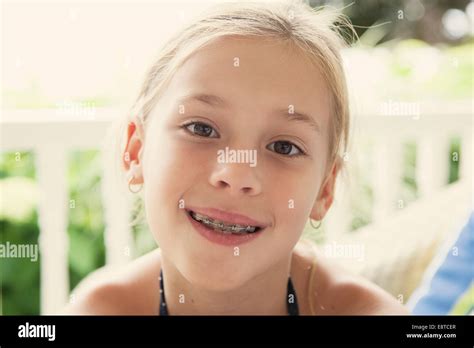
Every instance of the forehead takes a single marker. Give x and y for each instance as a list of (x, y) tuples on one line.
[(254, 73)]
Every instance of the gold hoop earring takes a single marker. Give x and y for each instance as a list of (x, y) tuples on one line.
[(315, 227), (130, 186)]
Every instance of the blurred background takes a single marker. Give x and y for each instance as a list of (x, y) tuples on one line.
[(69, 69)]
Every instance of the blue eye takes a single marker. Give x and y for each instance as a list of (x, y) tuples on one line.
[(201, 129), (285, 148)]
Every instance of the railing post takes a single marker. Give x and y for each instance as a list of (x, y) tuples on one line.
[(387, 175), (432, 167), (116, 202), (52, 219)]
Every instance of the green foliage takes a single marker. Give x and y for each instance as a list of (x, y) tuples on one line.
[(19, 277), (17, 164), (422, 72), (455, 148), (455, 78), (86, 225)]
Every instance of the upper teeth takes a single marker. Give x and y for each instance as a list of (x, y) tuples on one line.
[(232, 228)]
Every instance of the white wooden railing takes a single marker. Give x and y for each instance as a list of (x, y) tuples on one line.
[(51, 135)]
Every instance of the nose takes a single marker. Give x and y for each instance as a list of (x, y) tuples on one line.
[(237, 178)]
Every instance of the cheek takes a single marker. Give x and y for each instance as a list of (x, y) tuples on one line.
[(292, 193), (171, 167), (165, 172)]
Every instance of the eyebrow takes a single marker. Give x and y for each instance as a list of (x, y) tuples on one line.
[(216, 101), (299, 117)]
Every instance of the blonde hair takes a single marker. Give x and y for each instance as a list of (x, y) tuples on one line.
[(316, 33)]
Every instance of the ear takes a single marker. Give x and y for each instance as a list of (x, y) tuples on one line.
[(326, 192), (131, 157)]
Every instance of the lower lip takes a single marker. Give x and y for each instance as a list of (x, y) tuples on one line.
[(221, 238)]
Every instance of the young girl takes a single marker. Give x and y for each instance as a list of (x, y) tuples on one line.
[(235, 142)]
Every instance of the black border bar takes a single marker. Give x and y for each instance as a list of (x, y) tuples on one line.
[(137, 330)]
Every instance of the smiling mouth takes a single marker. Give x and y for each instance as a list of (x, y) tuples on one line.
[(223, 227)]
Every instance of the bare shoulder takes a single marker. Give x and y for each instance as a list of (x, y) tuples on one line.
[(128, 290), (335, 291)]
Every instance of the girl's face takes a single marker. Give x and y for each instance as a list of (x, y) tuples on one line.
[(239, 94)]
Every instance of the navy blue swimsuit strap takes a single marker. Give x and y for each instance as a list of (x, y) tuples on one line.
[(163, 308)]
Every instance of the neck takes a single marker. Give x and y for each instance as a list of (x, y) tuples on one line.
[(265, 294)]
